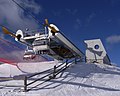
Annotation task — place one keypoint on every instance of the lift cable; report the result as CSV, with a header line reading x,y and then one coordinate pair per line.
x,y
3,59
29,13
6,59
7,28
8,42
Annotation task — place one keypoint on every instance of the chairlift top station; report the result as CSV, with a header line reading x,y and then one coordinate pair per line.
x,y
51,42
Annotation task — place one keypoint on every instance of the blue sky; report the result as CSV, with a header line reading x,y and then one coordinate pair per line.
x,y
79,20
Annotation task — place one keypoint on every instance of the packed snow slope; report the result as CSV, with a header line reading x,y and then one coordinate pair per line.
x,y
78,80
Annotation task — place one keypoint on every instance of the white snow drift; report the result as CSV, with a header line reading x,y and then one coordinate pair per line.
x,y
78,80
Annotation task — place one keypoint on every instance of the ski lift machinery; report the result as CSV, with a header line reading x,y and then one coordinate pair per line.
x,y
52,42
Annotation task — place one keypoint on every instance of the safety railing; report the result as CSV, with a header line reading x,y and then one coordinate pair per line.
x,y
51,74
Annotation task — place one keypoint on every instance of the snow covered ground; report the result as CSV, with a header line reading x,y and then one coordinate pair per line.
x,y
78,80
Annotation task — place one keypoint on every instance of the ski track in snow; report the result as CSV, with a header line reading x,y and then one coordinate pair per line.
x,y
78,80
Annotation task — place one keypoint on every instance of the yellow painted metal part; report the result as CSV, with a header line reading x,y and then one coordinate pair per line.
x,y
52,28
5,30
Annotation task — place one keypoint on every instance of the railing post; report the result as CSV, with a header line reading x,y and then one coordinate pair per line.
x,y
25,84
66,64
54,71
75,61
